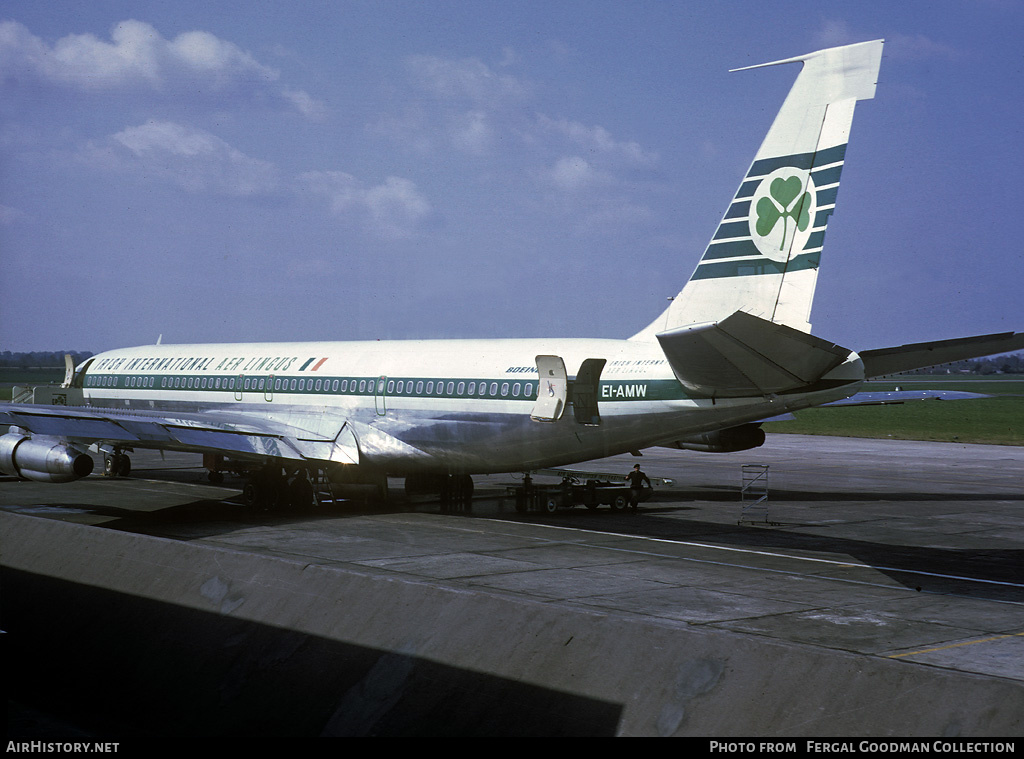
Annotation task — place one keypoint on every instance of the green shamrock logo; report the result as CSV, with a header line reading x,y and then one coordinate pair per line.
x,y
786,200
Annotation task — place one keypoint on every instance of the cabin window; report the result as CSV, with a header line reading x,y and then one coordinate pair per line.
x,y
334,386
419,386
451,388
391,386
494,388
462,388
472,388
430,387
504,389
515,390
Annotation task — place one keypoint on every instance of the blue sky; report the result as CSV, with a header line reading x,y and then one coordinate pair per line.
x,y
218,172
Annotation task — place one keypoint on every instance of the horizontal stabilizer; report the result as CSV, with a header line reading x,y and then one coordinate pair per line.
x,y
890,398
878,363
895,397
745,355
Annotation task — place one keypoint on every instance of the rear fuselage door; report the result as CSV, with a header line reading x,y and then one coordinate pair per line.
x,y
552,391
585,391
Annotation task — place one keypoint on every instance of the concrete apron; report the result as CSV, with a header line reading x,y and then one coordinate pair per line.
x,y
139,635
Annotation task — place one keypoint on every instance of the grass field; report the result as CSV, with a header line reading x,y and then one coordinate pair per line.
x,y
998,420
12,376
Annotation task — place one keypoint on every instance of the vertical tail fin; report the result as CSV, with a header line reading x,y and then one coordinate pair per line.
x,y
764,256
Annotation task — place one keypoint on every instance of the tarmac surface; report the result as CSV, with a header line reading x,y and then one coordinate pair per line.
x,y
882,549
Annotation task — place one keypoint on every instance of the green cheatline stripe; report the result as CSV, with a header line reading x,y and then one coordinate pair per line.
x,y
731,249
625,390
799,161
755,267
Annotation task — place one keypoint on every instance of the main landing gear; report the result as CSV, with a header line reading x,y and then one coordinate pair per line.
x,y
272,488
454,490
116,463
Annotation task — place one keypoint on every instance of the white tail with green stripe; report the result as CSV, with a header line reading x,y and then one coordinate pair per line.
x,y
763,258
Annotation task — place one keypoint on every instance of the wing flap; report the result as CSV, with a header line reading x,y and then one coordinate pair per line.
x,y
209,431
59,424
745,355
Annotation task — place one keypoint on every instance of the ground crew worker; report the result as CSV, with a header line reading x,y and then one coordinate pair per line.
x,y
636,485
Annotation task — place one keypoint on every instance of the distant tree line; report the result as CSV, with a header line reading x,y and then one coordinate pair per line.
x,y
41,359
1011,363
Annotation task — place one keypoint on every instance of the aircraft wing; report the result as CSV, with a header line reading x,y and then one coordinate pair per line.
x,y
883,361
216,432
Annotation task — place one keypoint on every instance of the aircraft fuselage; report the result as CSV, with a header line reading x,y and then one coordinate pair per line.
x,y
433,405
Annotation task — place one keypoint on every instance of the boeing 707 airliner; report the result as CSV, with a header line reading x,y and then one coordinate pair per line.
x,y
732,349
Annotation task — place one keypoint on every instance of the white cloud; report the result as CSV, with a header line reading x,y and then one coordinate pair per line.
x,y
599,140
305,104
393,209
9,215
138,57
919,47
462,104
472,132
190,158
573,173
465,80
835,32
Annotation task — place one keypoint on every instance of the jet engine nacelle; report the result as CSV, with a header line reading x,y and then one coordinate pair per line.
x,y
729,440
42,459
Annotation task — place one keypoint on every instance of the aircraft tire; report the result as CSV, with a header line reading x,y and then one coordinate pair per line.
x,y
300,493
116,465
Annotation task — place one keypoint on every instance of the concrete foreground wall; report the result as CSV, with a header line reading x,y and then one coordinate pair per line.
x,y
134,634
